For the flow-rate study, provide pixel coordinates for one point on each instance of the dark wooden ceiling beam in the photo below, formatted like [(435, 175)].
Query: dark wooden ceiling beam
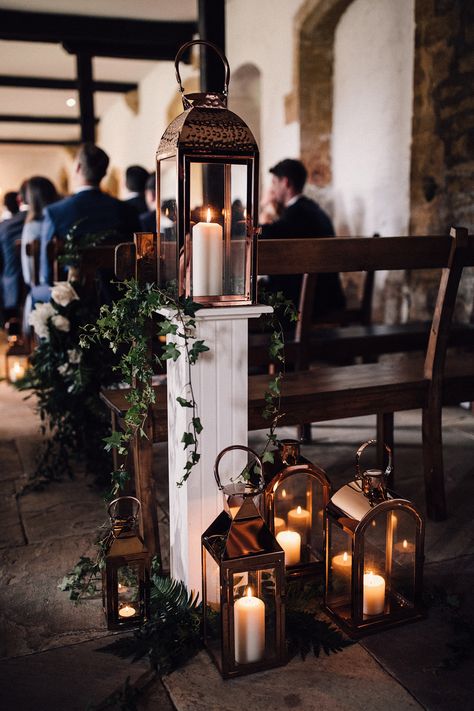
[(116, 87), (98, 36), (22, 118)]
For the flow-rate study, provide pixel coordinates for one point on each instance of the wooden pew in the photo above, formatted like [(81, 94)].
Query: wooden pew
[(327, 393)]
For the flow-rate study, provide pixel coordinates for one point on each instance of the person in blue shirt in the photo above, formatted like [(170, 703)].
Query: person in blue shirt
[(90, 209)]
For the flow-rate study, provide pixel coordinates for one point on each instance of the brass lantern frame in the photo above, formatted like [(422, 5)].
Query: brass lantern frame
[(380, 503), (242, 545), (290, 449), (208, 133)]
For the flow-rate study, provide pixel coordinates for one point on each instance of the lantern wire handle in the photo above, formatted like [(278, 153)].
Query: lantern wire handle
[(388, 469), (216, 49), (121, 522), (261, 484)]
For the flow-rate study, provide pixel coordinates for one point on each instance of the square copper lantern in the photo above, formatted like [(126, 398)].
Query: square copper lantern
[(125, 577), (374, 555), (243, 588), (17, 353), (296, 495), (207, 200)]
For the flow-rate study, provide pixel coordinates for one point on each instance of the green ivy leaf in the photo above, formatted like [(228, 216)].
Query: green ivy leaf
[(113, 441), (171, 351), (168, 327), (197, 425), (268, 457), (188, 439), (197, 348), (183, 402)]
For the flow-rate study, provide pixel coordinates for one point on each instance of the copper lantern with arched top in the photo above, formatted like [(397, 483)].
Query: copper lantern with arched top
[(374, 555), (207, 200)]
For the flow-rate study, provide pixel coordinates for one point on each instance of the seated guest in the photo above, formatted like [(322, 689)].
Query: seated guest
[(10, 233), (135, 182), (148, 217), (40, 192), (10, 205), (89, 208), (301, 217)]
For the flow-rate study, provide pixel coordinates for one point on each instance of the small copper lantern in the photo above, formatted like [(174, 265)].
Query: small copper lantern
[(243, 589), (374, 554), (125, 578), (296, 495), (17, 353), (240, 487), (207, 200)]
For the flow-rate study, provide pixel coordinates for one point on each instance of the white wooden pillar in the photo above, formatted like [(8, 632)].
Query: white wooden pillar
[(220, 385)]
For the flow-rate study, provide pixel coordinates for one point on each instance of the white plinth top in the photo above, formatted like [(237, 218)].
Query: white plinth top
[(224, 313)]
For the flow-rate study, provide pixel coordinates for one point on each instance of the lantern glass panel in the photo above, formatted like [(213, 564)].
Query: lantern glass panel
[(339, 575), (219, 201), (128, 591), (168, 182), (254, 616), (402, 563), (213, 603), (299, 506)]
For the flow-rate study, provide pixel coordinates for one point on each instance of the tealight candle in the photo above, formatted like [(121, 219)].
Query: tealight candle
[(279, 524), (374, 594), (404, 547), (127, 611), (299, 519), (342, 564), (249, 628), (290, 541), (16, 371)]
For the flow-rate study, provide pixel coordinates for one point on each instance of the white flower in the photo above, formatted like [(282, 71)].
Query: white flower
[(39, 319), (61, 323), (74, 356), (63, 369), (63, 293)]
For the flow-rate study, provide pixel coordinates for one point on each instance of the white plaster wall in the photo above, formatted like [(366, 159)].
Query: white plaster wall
[(132, 138), (261, 33), (17, 163), (373, 94)]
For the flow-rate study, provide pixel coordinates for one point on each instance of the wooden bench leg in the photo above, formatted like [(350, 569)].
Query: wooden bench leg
[(433, 463), (142, 448), (385, 436)]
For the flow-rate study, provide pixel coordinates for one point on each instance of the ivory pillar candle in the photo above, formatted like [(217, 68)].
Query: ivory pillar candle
[(249, 628), (299, 519), (207, 258), (374, 594), (16, 371), (279, 524), (342, 564), (290, 541)]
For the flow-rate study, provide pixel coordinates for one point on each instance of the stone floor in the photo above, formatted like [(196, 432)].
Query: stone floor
[(47, 644)]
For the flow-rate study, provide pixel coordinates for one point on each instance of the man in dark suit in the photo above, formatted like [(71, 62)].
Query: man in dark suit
[(89, 208), (301, 217), (135, 182), (10, 232)]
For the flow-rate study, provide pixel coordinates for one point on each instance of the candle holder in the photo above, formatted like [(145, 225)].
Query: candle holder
[(125, 577), (207, 171), (374, 554), (296, 495), (17, 353), (243, 589)]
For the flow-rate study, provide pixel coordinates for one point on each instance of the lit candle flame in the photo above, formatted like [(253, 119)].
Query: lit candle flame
[(405, 543), (249, 591), (283, 494), (298, 509), (167, 212), (344, 557), (208, 214), (245, 213)]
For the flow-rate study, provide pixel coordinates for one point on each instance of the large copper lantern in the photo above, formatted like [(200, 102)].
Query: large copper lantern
[(374, 555), (207, 182), (296, 495), (243, 588)]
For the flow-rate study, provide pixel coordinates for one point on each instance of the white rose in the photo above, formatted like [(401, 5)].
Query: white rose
[(39, 319), (63, 369), (74, 356), (61, 323), (63, 293)]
